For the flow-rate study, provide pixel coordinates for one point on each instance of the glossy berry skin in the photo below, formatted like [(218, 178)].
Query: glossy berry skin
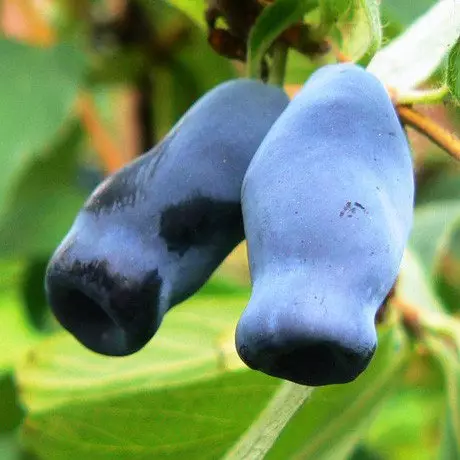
[(327, 205), (151, 234)]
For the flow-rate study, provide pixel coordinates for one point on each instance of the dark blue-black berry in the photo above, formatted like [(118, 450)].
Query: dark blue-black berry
[(327, 205), (152, 234)]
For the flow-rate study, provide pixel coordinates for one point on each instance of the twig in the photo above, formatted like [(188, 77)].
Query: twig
[(341, 57), (410, 315), (427, 126), (38, 30), (278, 68), (107, 150), (432, 96)]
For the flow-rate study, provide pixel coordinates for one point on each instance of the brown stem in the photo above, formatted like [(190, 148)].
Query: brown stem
[(240, 15), (112, 159), (427, 126), (26, 13), (383, 310), (410, 315), (341, 57)]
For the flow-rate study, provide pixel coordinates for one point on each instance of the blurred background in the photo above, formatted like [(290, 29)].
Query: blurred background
[(87, 86)]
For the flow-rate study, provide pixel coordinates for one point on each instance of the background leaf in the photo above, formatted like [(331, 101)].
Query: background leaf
[(413, 57), (405, 12), (187, 395), (449, 448), (18, 335), (38, 88), (194, 9), (361, 29), (449, 362), (274, 19), (447, 269), (332, 11), (43, 203), (432, 222), (414, 285), (408, 424)]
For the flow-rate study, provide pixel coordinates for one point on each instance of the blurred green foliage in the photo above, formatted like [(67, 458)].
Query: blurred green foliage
[(187, 394)]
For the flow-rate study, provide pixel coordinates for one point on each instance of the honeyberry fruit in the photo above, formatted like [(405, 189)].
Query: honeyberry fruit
[(327, 205), (151, 234)]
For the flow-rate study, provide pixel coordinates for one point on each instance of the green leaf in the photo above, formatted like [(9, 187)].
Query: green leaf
[(187, 76), (298, 68), (331, 11), (443, 184), (435, 239), (361, 29), (449, 448), (447, 268), (448, 360), (10, 274), (336, 417), (412, 58), (18, 335), (41, 207), (38, 88), (273, 20), (186, 394), (194, 9), (414, 287), (432, 222), (33, 294), (453, 71), (10, 411), (9, 447), (404, 12), (258, 440), (406, 427)]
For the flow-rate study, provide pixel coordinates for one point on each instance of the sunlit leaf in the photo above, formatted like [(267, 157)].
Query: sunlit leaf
[(186, 394), (413, 57), (194, 9)]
